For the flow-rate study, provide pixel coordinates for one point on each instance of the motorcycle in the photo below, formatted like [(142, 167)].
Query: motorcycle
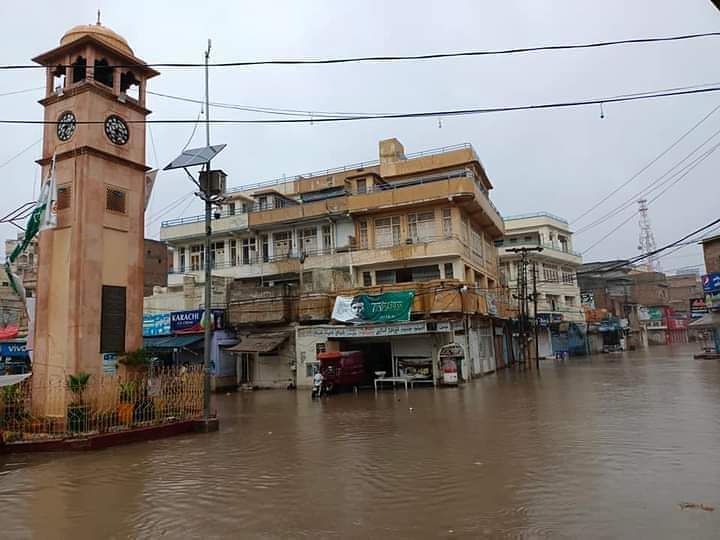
[(318, 390)]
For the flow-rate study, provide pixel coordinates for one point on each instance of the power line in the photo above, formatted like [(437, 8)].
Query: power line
[(655, 184), (457, 112), (646, 167), (312, 114), (430, 56), (20, 153), (25, 91)]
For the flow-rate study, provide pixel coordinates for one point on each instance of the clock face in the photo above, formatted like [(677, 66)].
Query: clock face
[(117, 130), (66, 126)]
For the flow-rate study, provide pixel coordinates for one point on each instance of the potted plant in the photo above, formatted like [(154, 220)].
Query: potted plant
[(127, 405), (77, 411), (136, 362)]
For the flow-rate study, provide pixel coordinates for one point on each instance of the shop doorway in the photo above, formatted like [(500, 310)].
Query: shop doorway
[(377, 355), (244, 368)]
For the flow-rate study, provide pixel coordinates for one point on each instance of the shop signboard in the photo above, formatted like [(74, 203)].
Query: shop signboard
[(381, 330), (15, 350), (543, 319), (712, 300), (711, 283), (698, 307), (656, 313), (192, 321), (156, 324), (364, 308)]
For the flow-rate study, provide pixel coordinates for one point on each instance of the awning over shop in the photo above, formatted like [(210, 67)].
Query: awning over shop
[(170, 342), (709, 320), (262, 343)]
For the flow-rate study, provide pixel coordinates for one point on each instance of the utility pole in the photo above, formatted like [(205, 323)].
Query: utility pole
[(523, 298), (535, 317), (208, 255)]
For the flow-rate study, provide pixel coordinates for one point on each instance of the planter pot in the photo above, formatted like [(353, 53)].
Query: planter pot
[(125, 413), (77, 417)]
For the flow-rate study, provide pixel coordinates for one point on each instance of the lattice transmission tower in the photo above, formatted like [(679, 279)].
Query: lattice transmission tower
[(646, 244)]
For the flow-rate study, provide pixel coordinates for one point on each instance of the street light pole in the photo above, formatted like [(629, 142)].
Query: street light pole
[(208, 255)]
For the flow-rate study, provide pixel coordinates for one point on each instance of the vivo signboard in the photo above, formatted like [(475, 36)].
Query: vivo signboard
[(18, 350)]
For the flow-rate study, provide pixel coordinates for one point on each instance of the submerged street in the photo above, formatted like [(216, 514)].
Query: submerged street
[(606, 447)]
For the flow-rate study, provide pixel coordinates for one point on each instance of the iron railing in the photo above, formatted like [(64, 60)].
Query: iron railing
[(535, 215), (105, 404)]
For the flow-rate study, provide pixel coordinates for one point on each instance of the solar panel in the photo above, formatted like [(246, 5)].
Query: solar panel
[(195, 156)]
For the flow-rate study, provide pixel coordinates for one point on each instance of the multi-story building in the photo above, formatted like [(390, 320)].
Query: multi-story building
[(683, 288), (25, 266), (422, 222), (560, 314), (711, 253)]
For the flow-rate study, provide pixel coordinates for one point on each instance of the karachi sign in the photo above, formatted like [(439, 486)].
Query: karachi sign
[(375, 308), (191, 322)]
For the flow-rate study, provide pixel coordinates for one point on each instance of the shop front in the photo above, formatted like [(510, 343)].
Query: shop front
[(404, 350), (263, 360)]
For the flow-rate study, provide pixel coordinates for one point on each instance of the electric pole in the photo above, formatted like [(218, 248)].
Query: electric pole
[(208, 253), (523, 298), (535, 317)]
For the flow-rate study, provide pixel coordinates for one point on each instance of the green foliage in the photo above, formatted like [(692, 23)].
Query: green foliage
[(140, 357), (78, 383), (127, 391)]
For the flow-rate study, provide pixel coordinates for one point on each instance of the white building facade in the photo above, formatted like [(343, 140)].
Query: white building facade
[(559, 310)]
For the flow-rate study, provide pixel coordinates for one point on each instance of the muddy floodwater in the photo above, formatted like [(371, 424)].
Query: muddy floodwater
[(603, 448)]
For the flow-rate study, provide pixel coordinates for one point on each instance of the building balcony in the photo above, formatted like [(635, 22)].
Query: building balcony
[(550, 252), (194, 226), (461, 188)]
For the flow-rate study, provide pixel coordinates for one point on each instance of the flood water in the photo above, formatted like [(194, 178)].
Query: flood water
[(600, 448)]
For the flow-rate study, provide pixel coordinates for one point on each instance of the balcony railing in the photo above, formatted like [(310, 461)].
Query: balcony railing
[(344, 168), (544, 246), (535, 215)]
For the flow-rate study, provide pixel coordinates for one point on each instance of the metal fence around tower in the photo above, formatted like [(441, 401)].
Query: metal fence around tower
[(33, 411)]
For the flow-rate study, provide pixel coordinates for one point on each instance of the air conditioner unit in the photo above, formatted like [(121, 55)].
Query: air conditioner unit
[(408, 241)]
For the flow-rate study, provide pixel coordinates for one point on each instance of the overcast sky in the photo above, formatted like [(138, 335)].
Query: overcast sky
[(560, 161)]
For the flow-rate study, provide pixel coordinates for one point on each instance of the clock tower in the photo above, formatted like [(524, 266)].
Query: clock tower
[(90, 276)]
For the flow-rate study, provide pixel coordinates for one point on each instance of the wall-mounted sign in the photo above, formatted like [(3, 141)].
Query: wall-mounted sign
[(110, 363), (192, 322), (156, 324), (698, 307), (711, 282), (17, 350), (365, 308)]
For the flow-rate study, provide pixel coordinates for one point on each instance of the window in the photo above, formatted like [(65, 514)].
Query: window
[(248, 251), (367, 279), (182, 259), (550, 273), (563, 243), (421, 226), (115, 200), (327, 238), (363, 234), (263, 203), (568, 277), (265, 248), (320, 348), (449, 273), (233, 253), (218, 254), (387, 232), (282, 244), (447, 222), (103, 72), (311, 368), (361, 185), (78, 69), (385, 277), (308, 240), (64, 197), (197, 257), (553, 301), (570, 300), (476, 242), (231, 209)]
